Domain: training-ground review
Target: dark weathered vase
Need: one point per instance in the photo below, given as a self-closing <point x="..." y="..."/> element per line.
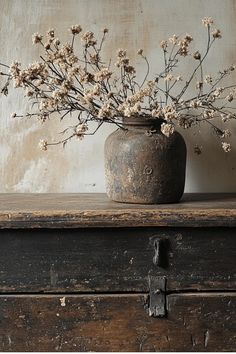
<point x="144" y="166"/>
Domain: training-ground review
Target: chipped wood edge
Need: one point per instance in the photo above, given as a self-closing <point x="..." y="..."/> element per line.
<point x="120" y="218"/>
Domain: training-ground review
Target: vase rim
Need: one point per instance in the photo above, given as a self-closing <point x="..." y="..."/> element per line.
<point x="139" y="121"/>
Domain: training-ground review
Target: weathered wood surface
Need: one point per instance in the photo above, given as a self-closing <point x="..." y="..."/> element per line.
<point x="115" y="260"/>
<point x="95" y="210"/>
<point x="204" y="322"/>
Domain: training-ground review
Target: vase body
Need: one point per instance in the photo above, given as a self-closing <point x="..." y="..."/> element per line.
<point x="144" y="166"/>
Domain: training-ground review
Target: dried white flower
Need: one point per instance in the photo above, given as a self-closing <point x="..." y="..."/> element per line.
<point x="163" y="44"/>
<point x="167" y="129"/>
<point x="229" y="97"/>
<point x="184" y="122"/>
<point x="76" y="29"/>
<point x="226" y="134"/>
<point x="156" y="113"/>
<point x="168" y="77"/>
<point x="80" y="130"/>
<point x="207" y="21"/>
<point x="226" y="147"/>
<point x="43" y="145"/>
<point x="94" y="58"/>
<point x="36" y="38"/>
<point x="129" y="69"/>
<point x="209" y="113"/>
<point x="51" y="33"/>
<point x="178" y="78"/>
<point x="57" y="41"/>
<point x="29" y="93"/>
<point x="88" y="39"/>
<point x="121" y="53"/>
<point x="184" y="45"/>
<point x="208" y="79"/>
<point x="173" y="39"/>
<point x="105" y="111"/>
<point x="103" y="74"/>
<point x="195" y="103"/>
<point x="225" y="117"/>
<point x="199" y="85"/>
<point x="218" y="91"/>
<point x="197" y="55"/>
<point x="169" y="113"/>
<point x="47" y="45"/>
<point x="216" y="33"/>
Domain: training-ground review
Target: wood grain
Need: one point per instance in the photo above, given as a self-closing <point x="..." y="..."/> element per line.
<point x="92" y="259"/>
<point x="204" y="322"/>
<point x="95" y="210"/>
<point x="108" y="260"/>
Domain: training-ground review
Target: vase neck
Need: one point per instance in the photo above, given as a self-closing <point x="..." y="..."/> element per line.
<point x="141" y="122"/>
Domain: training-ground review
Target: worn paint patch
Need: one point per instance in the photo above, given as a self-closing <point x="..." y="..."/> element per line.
<point x="63" y="301"/>
<point x="206" y="338"/>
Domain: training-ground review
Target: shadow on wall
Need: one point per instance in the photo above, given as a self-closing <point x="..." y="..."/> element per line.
<point x="212" y="171"/>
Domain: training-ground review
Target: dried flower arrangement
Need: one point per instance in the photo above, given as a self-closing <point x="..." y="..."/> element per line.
<point x="63" y="82"/>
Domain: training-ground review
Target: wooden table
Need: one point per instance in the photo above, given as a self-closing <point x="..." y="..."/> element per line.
<point x="81" y="273"/>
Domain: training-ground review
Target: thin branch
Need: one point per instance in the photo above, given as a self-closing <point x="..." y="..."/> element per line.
<point x="209" y="44"/>
<point x="147" y="73"/>
<point x="5" y="66"/>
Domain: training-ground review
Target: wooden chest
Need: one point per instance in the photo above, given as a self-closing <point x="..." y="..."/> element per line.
<point x="81" y="273"/>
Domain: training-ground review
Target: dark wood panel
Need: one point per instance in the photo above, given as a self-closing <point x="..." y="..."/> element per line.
<point x="109" y="260"/>
<point x="95" y="210"/>
<point x="74" y="260"/>
<point x="204" y="322"/>
<point x="201" y="259"/>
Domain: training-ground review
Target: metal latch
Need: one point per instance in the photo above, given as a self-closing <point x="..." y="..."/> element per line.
<point x="157" y="296"/>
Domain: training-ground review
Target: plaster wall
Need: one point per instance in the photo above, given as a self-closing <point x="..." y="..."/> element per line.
<point x="132" y="24"/>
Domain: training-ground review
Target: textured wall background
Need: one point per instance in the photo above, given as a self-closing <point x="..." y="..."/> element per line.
<point x="132" y="24"/>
